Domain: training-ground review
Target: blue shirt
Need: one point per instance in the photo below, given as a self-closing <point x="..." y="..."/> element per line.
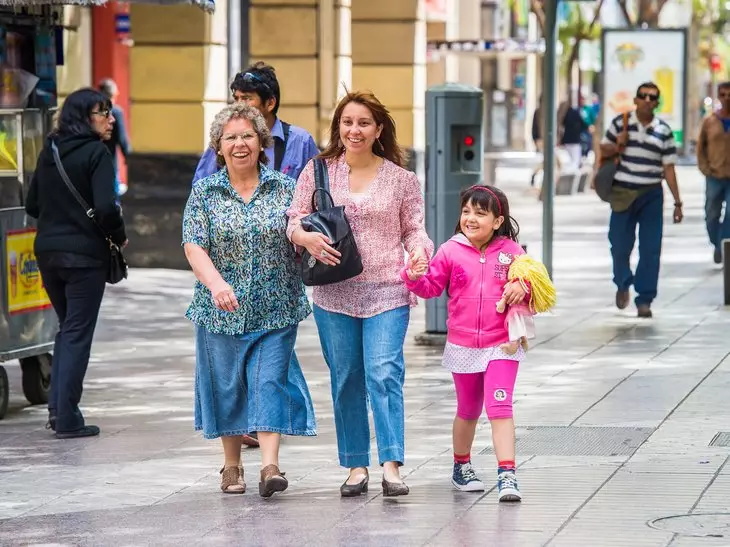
<point x="248" y="246"/>
<point x="300" y="148"/>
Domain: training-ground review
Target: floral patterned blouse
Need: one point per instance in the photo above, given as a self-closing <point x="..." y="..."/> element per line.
<point x="248" y="246"/>
<point x="386" y="220"/>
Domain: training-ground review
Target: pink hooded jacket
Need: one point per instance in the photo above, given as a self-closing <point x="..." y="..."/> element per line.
<point x="475" y="282"/>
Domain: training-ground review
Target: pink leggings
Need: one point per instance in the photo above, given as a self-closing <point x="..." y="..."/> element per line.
<point x="492" y="388"/>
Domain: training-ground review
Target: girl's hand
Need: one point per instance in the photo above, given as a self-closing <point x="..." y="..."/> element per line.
<point x="417" y="271"/>
<point x="318" y="246"/>
<point x="224" y="297"/>
<point x="513" y="293"/>
<point x="416" y="256"/>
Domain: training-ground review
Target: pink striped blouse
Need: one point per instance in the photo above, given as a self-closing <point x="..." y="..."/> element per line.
<point x="387" y="219"/>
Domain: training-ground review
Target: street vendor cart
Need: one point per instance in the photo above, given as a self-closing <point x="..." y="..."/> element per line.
<point x="28" y="323"/>
<point x="31" y="43"/>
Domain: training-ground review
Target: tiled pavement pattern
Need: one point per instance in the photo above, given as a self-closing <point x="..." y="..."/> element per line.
<point x="615" y="419"/>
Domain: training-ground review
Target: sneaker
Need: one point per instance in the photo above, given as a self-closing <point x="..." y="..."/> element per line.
<point x="86" y="431"/>
<point x="465" y="479"/>
<point x="507" y="485"/>
<point x="717" y="256"/>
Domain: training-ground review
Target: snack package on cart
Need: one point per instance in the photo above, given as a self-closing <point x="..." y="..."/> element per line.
<point x="534" y="278"/>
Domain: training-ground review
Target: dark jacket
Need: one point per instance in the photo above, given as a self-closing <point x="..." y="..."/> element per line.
<point x="63" y="226"/>
<point x="119" y="137"/>
<point x="573" y="126"/>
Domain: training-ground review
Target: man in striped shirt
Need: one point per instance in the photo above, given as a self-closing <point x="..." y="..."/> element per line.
<point x="647" y="156"/>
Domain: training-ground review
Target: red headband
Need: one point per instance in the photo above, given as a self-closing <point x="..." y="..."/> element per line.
<point x="481" y="187"/>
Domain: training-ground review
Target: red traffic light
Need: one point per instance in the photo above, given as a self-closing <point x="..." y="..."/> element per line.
<point x="469" y="140"/>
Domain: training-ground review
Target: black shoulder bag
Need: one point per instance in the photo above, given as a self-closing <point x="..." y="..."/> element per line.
<point x="332" y="222"/>
<point x="117" y="265"/>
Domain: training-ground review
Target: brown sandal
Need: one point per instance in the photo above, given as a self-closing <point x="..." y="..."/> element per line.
<point x="232" y="480"/>
<point x="272" y="480"/>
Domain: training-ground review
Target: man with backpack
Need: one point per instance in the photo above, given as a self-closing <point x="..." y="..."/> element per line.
<point x="293" y="147"/>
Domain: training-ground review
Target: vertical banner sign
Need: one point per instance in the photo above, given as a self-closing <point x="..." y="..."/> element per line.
<point x="25" y="286"/>
<point x="632" y="57"/>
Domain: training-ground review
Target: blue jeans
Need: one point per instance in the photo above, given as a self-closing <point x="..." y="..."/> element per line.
<point x="717" y="192"/>
<point x="365" y="358"/>
<point x="243" y="383"/>
<point x="647" y="212"/>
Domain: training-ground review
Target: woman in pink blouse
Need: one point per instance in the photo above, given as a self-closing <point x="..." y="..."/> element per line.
<point x="362" y="321"/>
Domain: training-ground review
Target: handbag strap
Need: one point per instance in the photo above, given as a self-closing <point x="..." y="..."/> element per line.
<point x="625" y="133"/>
<point x="321" y="185"/>
<point x="90" y="212"/>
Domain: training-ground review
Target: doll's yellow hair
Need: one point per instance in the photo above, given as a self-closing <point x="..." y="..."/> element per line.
<point x="542" y="291"/>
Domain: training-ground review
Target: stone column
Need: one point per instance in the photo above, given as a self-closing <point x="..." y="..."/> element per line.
<point x="178" y="82"/>
<point x="178" y="77"/>
<point x="76" y="71"/>
<point x="389" y="58"/>
<point x="308" y="43"/>
<point x="284" y="34"/>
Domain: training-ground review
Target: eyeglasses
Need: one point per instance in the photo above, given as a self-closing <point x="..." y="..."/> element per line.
<point x="251" y="77"/>
<point x="644" y="96"/>
<point x="232" y="138"/>
<point x="103" y="113"/>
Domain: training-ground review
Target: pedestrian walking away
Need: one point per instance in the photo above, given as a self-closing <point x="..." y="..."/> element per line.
<point x="248" y="301"/>
<point x="362" y="321"/>
<point x="647" y="156"/>
<point x="477" y="268"/>
<point x="73" y="253"/>
<point x="119" y="138"/>
<point x="713" y="160"/>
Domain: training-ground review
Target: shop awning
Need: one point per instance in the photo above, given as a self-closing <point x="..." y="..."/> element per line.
<point x="207" y="5"/>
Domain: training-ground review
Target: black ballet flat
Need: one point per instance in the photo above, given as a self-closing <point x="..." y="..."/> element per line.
<point x="354" y="490"/>
<point x="392" y="489"/>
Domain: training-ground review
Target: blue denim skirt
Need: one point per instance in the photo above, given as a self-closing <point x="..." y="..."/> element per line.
<point x="250" y="382"/>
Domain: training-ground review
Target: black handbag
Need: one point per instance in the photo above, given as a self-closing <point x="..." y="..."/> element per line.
<point x="332" y="222"/>
<point x="117" y="264"/>
<point x="603" y="181"/>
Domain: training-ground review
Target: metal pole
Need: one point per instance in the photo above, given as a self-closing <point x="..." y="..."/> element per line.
<point x="234" y="39"/>
<point x="549" y="113"/>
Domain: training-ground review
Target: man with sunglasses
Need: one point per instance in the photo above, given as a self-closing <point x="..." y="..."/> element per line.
<point x="293" y="146"/>
<point x="648" y="154"/>
<point x="713" y="160"/>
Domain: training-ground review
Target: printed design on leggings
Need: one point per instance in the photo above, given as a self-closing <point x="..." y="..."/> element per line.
<point x="501" y="268"/>
<point x="500" y="395"/>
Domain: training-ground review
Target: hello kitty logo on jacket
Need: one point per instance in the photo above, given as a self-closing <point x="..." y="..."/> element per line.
<point x="505" y="258"/>
<point x="501" y="269"/>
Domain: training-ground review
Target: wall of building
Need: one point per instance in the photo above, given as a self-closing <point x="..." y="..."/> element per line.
<point x="178" y="76"/>
<point x="76" y="71"/>
<point x="389" y="58"/>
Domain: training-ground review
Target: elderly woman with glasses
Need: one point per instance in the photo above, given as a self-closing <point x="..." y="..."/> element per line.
<point x="73" y="253"/>
<point x="248" y="301"/>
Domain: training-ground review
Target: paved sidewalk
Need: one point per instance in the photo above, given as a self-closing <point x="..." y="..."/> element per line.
<point x="615" y="418"/>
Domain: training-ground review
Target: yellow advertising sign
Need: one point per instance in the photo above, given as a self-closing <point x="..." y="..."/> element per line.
<point x="25" y="286"/>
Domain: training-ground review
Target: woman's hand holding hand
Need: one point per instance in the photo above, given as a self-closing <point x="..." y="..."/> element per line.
<point x="514" y="293"/>
<point x="223" y="296"/>
<point x="318" y="246"/>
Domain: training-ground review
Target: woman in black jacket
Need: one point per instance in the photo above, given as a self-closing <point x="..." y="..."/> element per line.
<point x="73" y="254"/>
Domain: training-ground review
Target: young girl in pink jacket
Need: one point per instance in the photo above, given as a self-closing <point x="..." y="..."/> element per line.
<point x="474" y="266"/>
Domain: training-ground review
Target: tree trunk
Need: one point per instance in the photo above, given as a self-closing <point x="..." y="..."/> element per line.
<point x="569" y="68"/>
<point x="694" y="93"/>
